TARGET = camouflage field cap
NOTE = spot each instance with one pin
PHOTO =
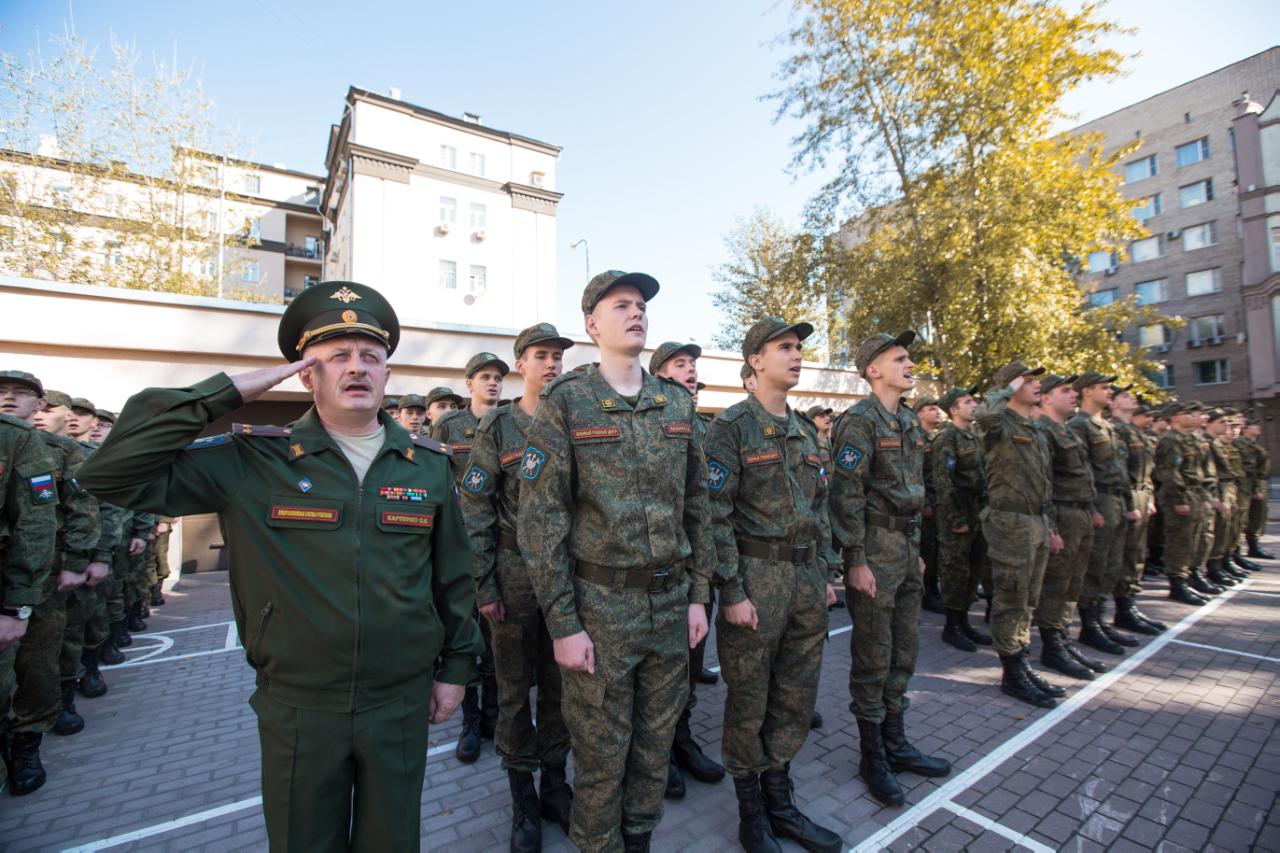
(80, 404)
(539, 333)
(412, 401)
(606, 281)
(818, 409)
(53, 399)
(876, 344)
(1012, 371)
(1091, 377)
(23, 378)
(766, 329)
(1121, 389)
(700, 385)
(955, 395)
(1054, 380)
(1183, 408)
(390, 403)
(668, 350)
(746, 372)
(925, 402)
(482, 360)
(105, 415)
(442, 392)
(333, 309)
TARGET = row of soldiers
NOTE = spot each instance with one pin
(81, 576)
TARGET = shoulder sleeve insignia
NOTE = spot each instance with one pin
(849, 458)
(717, 475)
(43, 490)
(475, 480)
(531, 467)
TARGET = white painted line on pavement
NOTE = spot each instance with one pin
(146, 661)
(1261, 592)
(941, 798)
(991, 826)
(842, 630)
(156, 631)
(233, 638)
(1227, 651)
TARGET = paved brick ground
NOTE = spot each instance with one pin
(1178, 753)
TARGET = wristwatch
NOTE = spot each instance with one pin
(23, 612)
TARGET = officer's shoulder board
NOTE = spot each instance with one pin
(60, 441)
(734, 412)
(15, 422)
(431, 444)
(680, 385)
(564, 378)
(492, 416)
(448, 417)
(261, 430)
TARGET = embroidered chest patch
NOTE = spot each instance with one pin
(678, 429)
(761, 457)
(584, 433)
(406, 519)
(402, 493)
(304, 513)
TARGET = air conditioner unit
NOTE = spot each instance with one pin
(1109, 271)
(1174, 234)
(479, 235)
(443, 227)
(1161, 348)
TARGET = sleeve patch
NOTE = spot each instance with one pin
(531, 467)
(849, 458)
(210, 441)
(475, 480)
(717, 475)
(43, 489)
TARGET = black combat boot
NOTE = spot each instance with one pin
(689, 756)
(974, 635)
(905, 758)
(157, 594)
(675, 781)
(1100, 610)
(120, 635)
(526, 828)
(144, 609)
(786, 820)
(1201, 584)
(468, 748)
(815, 720)
(1084, 660)
(932, 601)
(133, 619)
(1015, 683)
(1055, 656)
(1048, 688)
(1213, 570)
(754, 833)
(1154, 564)
(1241, 563)
(706, 676)
(1255, 550)
(69, 722)
(555, 796)
(954, 635)
(874, 769)
(26, 773)
(1180, 592)
(636, 842)
(91, 683)
(108, 654)
(1130, 618)
(1091, 633)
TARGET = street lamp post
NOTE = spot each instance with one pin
(586, 250)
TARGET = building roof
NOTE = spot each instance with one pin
(355, 93)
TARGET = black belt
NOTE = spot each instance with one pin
(659, 581)
(1085, 505)
(507, 540)
(1019, 507)
(900, 523)
(783, 552)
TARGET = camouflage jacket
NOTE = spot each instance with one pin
(78, 523)
(1108, 456)
(1226, 459)
(28, 513)
(111, 519)
(930, 488)
(767, 482)
(1019, 468)
(1254, 458)
(458, 430)
(1180, 469)
(1141, 447)
(1072, 474)
(959, 475)
(614, 484)
(491, 491)
(879, 467)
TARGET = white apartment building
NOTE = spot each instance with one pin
(452, 220)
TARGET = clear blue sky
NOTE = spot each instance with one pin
(656, 104)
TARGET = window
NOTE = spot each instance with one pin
(478, 217)
(1140, 170)
(1102, 297)
(250, 272)
(1149, 207)
(1144, 250)
(1197, 193)
(448, 211)
(62, 195)
(1275, 248)
(1198, 236)
(1101, 260)
(309, 281)
(477, 279)
(1193, 152)
(1150, 292)
(448, 157)
(537, 178)
(312, 246)
(253, 228)
(1203, 281)
(448, 275)
(209, 221)
(208, 266)
(252, 184)
(1213, 372)
(477, 164)
(1153, 335)
(1207, 330)
(1163, 378)
(115, 255)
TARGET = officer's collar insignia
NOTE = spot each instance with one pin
(531, 467)
(848, 458)
(304, 484)
(469, 432)
(608, 403)
(475, 479)
(296, 451)
(770, 431)
(408, 454)
(346, 296)
(660, 399)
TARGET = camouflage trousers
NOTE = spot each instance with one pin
(1256, 524)
(522, 656)
(697, 658)
(86, 628)
(1106, 560)
(1184, 537)
(38, 699)
(884, 642)
(8, 681)
(622, 718)
(962, 562)
(1226, 525)
(1019, 549)
(929, 547)
(158, 557)
(1135, 547)
(1064, 571)
(129, 582)
(772, 672)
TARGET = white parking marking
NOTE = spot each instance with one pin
(990, 825)
(1226, 651)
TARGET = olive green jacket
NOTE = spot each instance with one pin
(78, 524)
(28, 513)
(959, 474)
(1108, 456)
(1019, 464)
(345, 595)
(1180, 467)
(1072, 473)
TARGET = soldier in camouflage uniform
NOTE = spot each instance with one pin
(28, 539)
(679, 362)
(440, 402)
(1131, 421)
(1019, 524)
(613, 524)
(484, 372)
(960, 481)
(412, 414)
(1183, 493)
(1210, 478)
(775, 566)
(1258, 464)
(930, 415)
(877, 493)
(1230, 468)
(1112, 511)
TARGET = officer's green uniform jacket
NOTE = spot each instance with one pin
(1072, 473)
(1180, 470)
(613, 484)
(959, 475)
(1108, 455)
(1019, 464)
(28, 513)
(78, 524)
(767, 483)
(491, 491)
(344, 595)
(458, 430)
(879, 467)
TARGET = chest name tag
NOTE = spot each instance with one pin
(813, 459)
(586, 433)
(890, 443)
(1102, 439)
(402, 493)
(678, 429)
(1022, 439)
(407, 519)
(459, 447)
(762, 457)
(300, 513)
(513, 456)
(968, 451)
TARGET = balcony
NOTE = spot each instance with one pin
(307, 253)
